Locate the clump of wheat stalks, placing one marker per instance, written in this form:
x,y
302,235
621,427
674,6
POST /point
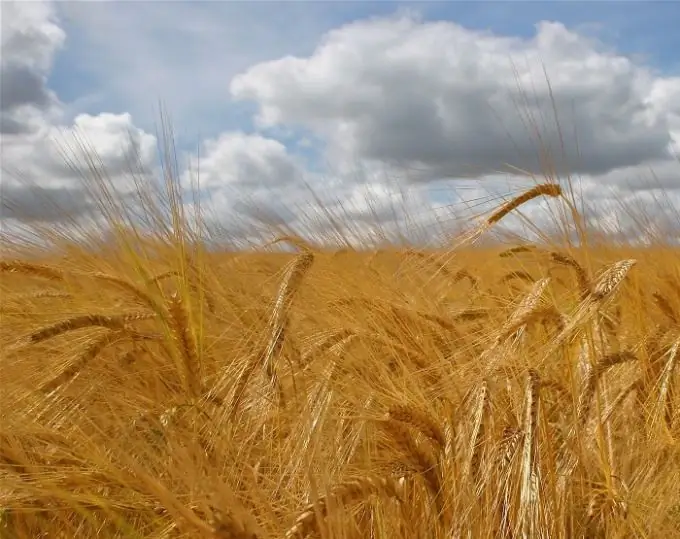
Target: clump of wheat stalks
x,y
316,399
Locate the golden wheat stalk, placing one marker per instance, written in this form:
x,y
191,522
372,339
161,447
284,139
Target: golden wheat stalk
x,y
296,241
517,274
162,276
355,490
666,308
610,279
594,375
277,325
605,288
420,421
581,274
75,367
663,404
185,341
34,270
527,494
133,290
524,310
517,250
636,385
418,456
333,342
431,260
545,189
482,398
470,315
515,323
465,274
117,322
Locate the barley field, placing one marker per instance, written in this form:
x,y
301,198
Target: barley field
x,y
159,389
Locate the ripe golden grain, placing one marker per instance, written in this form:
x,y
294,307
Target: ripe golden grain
x,y
666,308
581,274
345,493
491,449
418,420
278,321
517,250
527,494
546,189
117,322
594,375
34,270
186,344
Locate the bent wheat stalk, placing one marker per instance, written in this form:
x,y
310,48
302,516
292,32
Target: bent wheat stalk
x,y
34,270
117,322
354,490
276,331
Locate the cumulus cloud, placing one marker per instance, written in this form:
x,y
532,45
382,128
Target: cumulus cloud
x,y
44,161
46,173
396,108
30,38
247,161
454,102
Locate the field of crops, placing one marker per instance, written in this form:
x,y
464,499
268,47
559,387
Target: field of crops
x,y
506,391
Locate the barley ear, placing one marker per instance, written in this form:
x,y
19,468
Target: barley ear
x,y
527,493
185,342
545,189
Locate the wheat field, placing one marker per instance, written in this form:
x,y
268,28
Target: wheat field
x,y
163,390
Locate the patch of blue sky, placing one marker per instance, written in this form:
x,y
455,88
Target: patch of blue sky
x,y
646,28
170,51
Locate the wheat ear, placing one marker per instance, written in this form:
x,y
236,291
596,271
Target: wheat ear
x,y
351,491
35,270
594,375
419,456
276,331
581,274
545,189
126,286
72,370
482,394
604,289
527,494
420,421
185,343
666,308
611,279
299,243
663,402
517,250
517,274
117,322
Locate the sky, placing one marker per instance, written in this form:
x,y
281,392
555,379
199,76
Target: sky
x,y
388,114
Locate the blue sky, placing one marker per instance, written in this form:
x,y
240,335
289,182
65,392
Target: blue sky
x,y
389,100
257,31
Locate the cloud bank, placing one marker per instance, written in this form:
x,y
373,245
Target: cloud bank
x,y
386,121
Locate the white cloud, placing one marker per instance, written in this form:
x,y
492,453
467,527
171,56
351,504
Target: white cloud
x,y
44,162
456,102
247,161
396,104
45,173
30,38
